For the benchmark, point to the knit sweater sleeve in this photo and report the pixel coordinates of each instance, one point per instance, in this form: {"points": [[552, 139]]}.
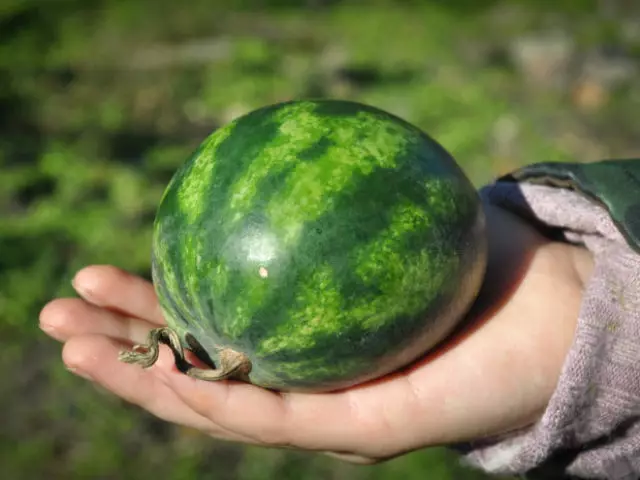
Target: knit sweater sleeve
{"points": [[591, 426]]}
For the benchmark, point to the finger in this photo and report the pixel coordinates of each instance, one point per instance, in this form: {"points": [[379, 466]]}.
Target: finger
{"points": [[111, 287], [320, 422], [95, 357], [70, 317]]}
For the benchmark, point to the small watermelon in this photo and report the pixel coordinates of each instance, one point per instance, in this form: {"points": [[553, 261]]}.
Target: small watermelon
{"points": [[311, 246]]}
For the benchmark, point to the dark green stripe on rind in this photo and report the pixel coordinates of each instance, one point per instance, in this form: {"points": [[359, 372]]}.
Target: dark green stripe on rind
{"points": [[297, 234]]}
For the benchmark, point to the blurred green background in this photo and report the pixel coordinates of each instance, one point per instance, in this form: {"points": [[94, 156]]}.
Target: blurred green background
{"points": [[100, 101]]}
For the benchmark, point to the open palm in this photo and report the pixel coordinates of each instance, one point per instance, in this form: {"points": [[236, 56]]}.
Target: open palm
{"points": [[496, 374]]}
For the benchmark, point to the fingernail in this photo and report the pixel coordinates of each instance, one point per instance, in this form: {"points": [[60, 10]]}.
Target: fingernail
{"points": [[82, 290], [48, 329], [80, 373], [53, 332]]}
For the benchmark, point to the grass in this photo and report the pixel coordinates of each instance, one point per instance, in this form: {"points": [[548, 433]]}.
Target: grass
{"points": [[100, 101]]}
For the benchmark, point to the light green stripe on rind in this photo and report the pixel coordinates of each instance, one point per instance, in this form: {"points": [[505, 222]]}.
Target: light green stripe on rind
{"points": [[357, 146], [295, 122], [323, 314], [193, 272], [191, 201], [170, 277], [408, 281], [240, 315]]}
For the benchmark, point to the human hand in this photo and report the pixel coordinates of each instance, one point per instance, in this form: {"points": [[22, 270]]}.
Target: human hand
{"points": [[495, 374]]}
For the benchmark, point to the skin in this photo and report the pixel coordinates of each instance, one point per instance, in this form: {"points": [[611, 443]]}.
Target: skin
{"points": [[496, 374]]}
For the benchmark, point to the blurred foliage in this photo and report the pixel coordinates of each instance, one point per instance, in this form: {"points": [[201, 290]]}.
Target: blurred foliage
{"points": [[101, 100]]}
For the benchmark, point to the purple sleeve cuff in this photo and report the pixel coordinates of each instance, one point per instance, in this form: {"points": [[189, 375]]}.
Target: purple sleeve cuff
{"points": [[591, 426]]}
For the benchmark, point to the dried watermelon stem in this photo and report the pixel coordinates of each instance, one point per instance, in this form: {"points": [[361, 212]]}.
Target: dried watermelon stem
{"points": [[232, 364]]}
